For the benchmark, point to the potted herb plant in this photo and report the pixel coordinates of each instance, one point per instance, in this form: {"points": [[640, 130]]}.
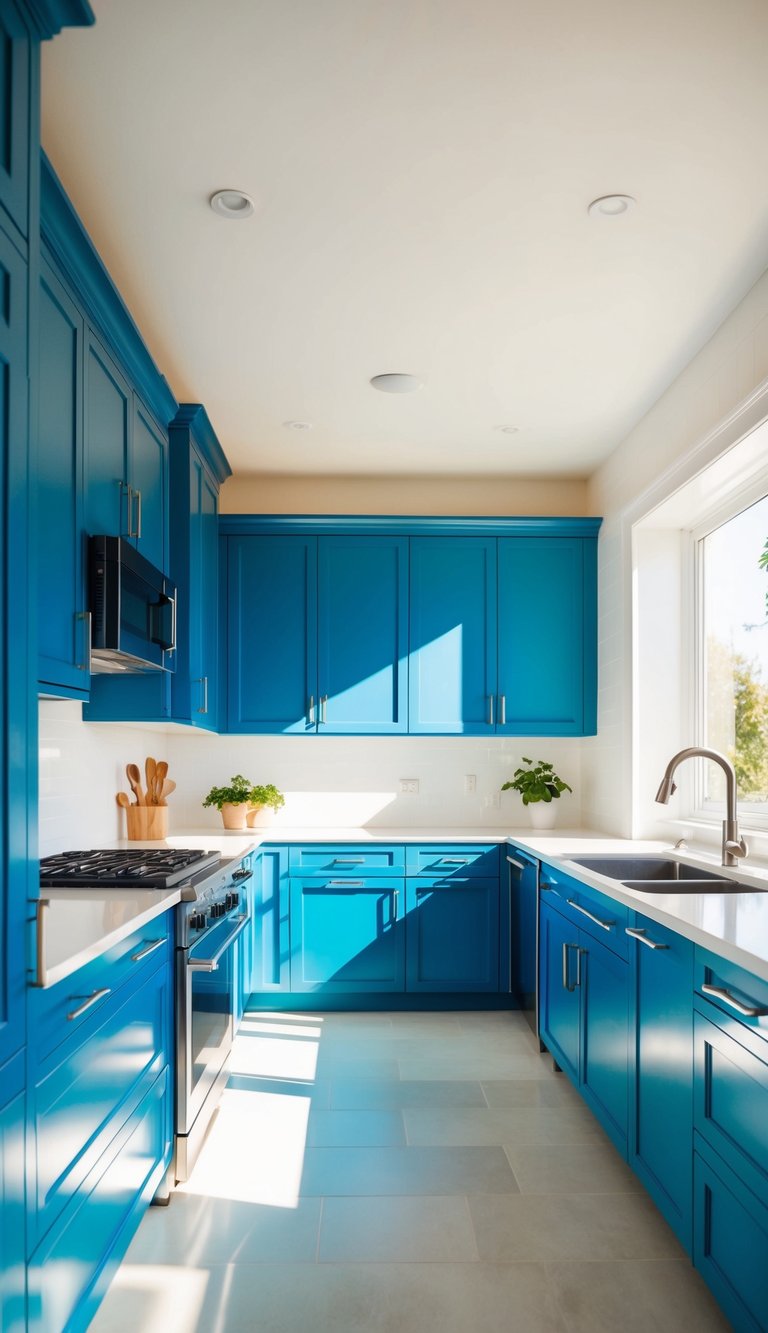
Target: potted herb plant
{"points": [[539, 786], [264, 799], [233, 801]]}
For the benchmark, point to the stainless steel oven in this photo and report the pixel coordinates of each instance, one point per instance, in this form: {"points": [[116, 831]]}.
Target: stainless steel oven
{"points": [[208, 980]]}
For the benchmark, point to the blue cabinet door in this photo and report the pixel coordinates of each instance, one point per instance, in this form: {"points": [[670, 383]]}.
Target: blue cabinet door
{"points": [[363, 634], [63, 627], [523, 873], [109, 507], [559, 997], [730, 1240], [12, 1207], [605, 1037], [16, 53], [347, 936], [149, 479], [452, 680], [661, 1071], [270, 947], [452, 934], [204, 672], [272, 634], [546, 674]]}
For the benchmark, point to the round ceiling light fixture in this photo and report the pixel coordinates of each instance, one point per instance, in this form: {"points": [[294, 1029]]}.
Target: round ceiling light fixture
{"points": [[297, 425], [508, 430], [232, 204], [396, 383], [611, 205]]}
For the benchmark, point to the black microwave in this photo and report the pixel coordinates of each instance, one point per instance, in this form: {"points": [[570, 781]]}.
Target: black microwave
{"points": [[133, 610]]}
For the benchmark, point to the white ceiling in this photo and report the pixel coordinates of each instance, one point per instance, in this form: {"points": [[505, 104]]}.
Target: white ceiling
{"points": [[422, 170]]}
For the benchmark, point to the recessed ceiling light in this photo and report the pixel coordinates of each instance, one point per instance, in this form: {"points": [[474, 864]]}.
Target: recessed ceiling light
{"points": [[508, 430], [611, 205], [397, 383], [298, 425], [232, 204]]}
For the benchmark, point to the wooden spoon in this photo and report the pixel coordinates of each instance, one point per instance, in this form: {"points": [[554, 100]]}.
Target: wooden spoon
{"points": [[161, 773], [134, 777], [168, 787], [150, 768], [123, 800]]}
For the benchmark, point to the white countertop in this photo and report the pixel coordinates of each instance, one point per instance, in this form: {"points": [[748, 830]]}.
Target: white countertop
{"points": [[81, 924]]}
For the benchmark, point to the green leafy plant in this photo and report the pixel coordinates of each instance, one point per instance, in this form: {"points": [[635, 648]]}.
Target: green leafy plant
{"points": [[538, 782], [238, 793], [267, 795]]}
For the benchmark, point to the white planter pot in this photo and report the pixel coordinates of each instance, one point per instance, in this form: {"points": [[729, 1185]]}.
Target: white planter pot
{"points": [[542, 814]]}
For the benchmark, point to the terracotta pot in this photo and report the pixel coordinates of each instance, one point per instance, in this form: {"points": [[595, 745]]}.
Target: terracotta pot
{"points": [[234, 816]]}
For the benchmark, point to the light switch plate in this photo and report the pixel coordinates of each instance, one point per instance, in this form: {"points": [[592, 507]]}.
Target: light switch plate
{"points": [[409, 786]]}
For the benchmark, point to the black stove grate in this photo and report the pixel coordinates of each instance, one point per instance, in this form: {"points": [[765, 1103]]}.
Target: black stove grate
{"points": [[152, 868]]}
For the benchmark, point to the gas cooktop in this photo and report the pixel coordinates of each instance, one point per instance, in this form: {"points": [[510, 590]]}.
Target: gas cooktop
{"points": [[154, 868]]}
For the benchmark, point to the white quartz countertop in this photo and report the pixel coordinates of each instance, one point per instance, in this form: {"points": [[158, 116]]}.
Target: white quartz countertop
{"points": [[81, 924]]}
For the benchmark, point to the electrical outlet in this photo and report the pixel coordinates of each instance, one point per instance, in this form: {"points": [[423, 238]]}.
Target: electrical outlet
{"points": [[409, 786], [470, 784], [492, 802]]}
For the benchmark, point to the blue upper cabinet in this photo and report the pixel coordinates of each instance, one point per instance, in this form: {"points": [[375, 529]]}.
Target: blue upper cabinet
{"points": [[546, 674], [15, 116], [453, 635], [64, 630], [109, 506], [272, 634], [149, 483], [362, 634]]}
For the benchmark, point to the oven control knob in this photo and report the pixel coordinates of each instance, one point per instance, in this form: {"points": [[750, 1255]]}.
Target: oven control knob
{"points": [[218, 909], [242, 873], [197, 921]]}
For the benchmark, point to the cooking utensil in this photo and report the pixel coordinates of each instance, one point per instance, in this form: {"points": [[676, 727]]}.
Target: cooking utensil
{"points": [[124, 800], [168, 786], [149, 768], [161, 773], [134, 777]]}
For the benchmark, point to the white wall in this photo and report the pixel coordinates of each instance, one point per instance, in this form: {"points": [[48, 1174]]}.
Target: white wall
{"points": [[327, 780]]}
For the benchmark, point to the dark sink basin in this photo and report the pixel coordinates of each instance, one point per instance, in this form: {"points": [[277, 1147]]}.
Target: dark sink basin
{"points": [[644, 867], [708, 885]]}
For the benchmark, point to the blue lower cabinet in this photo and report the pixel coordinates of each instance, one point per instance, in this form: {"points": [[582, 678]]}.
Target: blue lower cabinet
{"points": [[559, 998], [731, 1094], [661, 1071], [270, 921], [12, 1204], [452, 934], [347, 935], [521, 886], [730, 1241], [605, 1037]]}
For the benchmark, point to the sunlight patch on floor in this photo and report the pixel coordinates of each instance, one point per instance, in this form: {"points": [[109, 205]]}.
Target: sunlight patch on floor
{"points": [[156, 1298], [265, 1055]]}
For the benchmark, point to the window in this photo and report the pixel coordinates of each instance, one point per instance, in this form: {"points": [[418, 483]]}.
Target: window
{"points": [[732, 702]]}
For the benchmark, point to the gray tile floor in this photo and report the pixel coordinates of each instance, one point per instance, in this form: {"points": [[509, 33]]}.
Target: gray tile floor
{"points": [[404, 1173]]}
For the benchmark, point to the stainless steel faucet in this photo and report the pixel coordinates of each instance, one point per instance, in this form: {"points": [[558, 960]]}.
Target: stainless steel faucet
{"points": [[734, 846]]}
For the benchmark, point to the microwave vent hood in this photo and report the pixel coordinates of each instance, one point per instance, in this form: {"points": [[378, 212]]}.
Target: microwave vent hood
{"points": [[133, 610]]}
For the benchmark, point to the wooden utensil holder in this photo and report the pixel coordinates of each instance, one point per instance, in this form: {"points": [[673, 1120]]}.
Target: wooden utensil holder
{"points": [[147, 823]]}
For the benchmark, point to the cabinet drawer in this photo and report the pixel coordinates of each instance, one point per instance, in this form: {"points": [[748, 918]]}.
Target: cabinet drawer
{"points": [[586, 908], [731, 1093], [730, 1241], [340, 860], [70, 1268], [87, 1089], [53, 1012], [736, 991], [453, 859]]}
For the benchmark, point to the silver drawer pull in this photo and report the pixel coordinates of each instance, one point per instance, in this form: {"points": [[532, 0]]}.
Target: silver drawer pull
{"points": [[212, 964], [604, 925], [502, 710], [88, 1004], [395, 902], [490, 710], [725, 995], [349, 861], [345, 883], [150, 948], [517, 864], [454, 861], [642, 938], [546, 887]]}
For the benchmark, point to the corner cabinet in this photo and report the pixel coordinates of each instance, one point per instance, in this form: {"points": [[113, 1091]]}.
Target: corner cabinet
{"points": [[429, 626]]}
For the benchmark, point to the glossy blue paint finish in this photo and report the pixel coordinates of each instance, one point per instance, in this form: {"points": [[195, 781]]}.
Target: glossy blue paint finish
{"points": [[270, 948], [452, 934], [363, 634], [559, 997], [453, 858], [452, 635], [107, 419], [661, 1072], [12, 1197], [730, 1241], [336, 859], [306, 525], [271, 633], [16, 88], [574, 900], [605, 1037], [543, 629], [747, 989], [731, 1094], [63, 632], [347, 936], [149, 476]]}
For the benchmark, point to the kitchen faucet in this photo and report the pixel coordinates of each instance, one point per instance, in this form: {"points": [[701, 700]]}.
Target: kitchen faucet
{"points": [[734, 846]]}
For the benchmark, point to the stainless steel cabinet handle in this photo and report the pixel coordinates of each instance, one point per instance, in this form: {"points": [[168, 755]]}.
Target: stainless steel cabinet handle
{"points": [[127, 491], [87, 1004], [40, 969], [311, 710], [490, 710], [641, 936], [395, 901], [346, 883], [566, 982], [605, 925], [174, 613], [87, 620], [137, 497], [145, 952], [323, 707], [454, 860], [349, 860], [725, 995], [204, 682], [211, 964], [517, 864], [502, 710]]}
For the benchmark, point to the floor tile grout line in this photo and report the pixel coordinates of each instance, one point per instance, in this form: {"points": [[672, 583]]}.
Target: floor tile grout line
{"points": [[319, 1228]]}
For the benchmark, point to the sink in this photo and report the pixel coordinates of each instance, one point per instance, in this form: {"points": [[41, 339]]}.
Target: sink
{"points": [[709, 885], [645, 867]]}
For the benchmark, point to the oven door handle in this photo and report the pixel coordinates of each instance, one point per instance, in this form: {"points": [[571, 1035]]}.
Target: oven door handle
{"points": [[211, 964]]}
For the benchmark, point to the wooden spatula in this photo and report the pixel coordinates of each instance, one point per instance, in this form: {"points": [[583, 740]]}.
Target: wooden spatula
{"points": [[168, 786], [134, 777], [150, 768]]}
